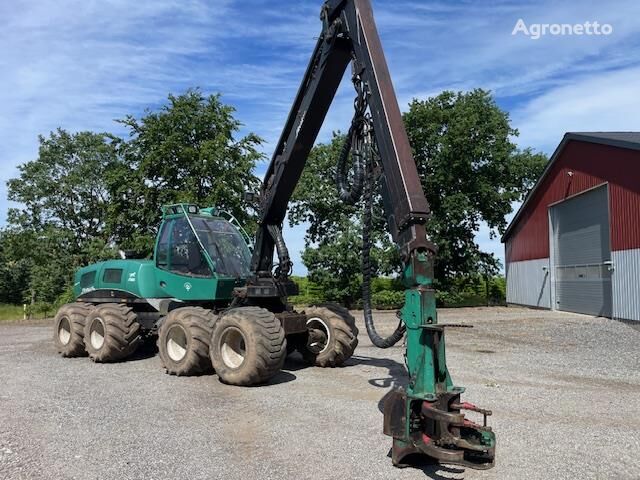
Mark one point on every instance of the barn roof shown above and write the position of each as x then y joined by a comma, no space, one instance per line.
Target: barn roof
629,140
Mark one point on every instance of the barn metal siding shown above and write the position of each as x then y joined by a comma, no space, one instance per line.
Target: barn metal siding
625,281
591,165
528,283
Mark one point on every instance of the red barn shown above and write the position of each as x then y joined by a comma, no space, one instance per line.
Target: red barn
574,244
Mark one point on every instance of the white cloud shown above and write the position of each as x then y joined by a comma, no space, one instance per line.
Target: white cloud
597,102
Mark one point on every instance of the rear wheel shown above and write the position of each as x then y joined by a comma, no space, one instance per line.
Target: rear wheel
183,341
68,331
332,335
248,346
111,333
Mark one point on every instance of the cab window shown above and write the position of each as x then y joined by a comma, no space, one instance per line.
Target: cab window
87,279
178,250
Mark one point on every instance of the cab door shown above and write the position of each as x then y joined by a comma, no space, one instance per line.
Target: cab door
182,270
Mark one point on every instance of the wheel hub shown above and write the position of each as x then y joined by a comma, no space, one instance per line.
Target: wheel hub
96,333
64,331
233,347
319,335
176,343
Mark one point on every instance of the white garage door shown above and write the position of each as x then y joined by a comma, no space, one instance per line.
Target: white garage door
580,238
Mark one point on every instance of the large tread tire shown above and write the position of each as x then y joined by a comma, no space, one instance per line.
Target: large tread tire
248,346
120,331
183,341
340,337
68,329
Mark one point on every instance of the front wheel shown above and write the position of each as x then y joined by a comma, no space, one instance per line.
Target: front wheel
183,341
112,333
332,336
248,346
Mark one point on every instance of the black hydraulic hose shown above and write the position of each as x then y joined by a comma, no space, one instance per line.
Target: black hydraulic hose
376,339
350,193
361,143
284,259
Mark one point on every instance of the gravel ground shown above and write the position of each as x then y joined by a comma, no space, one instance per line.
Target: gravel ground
564,389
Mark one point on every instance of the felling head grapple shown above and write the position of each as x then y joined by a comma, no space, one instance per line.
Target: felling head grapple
427,417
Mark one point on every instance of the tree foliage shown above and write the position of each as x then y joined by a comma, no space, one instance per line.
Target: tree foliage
185,152
334,236
88,194
471,172
64,187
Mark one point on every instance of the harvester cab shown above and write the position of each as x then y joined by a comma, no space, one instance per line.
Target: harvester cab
200,255
203,246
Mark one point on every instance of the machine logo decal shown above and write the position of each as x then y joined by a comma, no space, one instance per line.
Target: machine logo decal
187,286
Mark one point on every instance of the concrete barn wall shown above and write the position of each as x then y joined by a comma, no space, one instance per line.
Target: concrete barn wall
625,283
529,283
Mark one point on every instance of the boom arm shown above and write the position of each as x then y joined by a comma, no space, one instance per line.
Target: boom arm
426,416
349,33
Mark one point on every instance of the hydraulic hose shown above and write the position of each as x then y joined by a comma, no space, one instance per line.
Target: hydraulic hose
350,194
361,144
367,223
284,261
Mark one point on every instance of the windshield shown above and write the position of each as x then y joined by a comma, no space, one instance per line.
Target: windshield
225,246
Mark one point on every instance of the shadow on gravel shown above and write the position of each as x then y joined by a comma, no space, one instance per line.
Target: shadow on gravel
281,377
148,349
396,370
432,469
294,362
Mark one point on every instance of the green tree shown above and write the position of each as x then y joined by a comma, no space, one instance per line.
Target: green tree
333,239
88,193
61,222
65,188
15,268
186,151
471,172
35,266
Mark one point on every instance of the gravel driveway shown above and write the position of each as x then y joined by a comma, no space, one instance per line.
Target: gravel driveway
565,391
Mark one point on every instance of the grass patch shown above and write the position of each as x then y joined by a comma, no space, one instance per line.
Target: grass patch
10,312
37,311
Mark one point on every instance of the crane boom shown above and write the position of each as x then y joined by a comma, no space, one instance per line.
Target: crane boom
425,416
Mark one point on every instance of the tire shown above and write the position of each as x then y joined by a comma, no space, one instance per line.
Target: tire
248,346
183,341
332,335
68,330
111,333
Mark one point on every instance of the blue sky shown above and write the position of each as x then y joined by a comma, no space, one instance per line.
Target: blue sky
80,64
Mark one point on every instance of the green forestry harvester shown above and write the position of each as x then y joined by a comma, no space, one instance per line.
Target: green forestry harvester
217,301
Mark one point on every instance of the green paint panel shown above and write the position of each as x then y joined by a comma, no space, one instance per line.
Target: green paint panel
197,257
